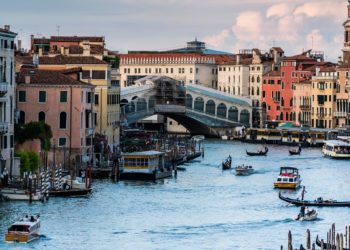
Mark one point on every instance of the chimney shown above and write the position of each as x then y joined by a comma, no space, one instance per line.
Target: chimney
66,51
238,59
86,48
62,50
27,79
7,27
317,71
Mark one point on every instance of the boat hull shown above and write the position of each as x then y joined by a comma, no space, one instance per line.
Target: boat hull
20,237
244,171
20,195
70,192
314,203
145,176
281,185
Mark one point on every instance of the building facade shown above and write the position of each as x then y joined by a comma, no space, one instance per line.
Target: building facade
271,95
7,98
64,103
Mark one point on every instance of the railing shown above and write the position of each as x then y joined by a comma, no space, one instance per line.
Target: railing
169,108
305,106
320,115
340,114
3,127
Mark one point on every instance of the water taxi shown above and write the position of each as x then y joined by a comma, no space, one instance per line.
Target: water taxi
244,170
146,165
288,178
336,149
24,230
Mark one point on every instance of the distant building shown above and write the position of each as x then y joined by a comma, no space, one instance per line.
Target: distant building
271,95
60,100
7,98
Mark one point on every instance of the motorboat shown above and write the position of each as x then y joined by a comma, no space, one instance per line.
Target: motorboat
21,194
244,170
295,151
288,178
336,149
24,230
258,153
307,215
226,164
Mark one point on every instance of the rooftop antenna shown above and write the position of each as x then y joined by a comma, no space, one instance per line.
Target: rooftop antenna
58,30
312,42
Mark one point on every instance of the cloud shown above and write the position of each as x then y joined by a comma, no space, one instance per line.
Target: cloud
217,40
248,26
278,10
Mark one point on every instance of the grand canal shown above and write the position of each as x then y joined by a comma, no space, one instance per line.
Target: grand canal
204,208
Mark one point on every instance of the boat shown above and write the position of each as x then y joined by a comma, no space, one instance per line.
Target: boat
295,151
145,165
307,215
288,178
244,170
336,149
21,194
24,230
319,202
226,164
73,192
259,153
327,245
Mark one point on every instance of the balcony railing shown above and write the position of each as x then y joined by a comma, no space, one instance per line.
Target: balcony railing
340,114
4,127
321,115
305,106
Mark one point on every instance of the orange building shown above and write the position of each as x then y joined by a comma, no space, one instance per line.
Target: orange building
64,103
271,95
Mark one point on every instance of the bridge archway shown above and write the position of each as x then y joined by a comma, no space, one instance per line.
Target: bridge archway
233,114
221,110
210,107
151,102
130,108
123,102
245,117
199,104
141,104
189,101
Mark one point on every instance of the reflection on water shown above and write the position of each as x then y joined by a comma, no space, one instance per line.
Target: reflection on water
204,208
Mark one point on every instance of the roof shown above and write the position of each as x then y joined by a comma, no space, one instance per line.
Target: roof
47,77
298,58
7,31
77,38
143,153
43,40
328,69
278,49
60,59
336,143
273,73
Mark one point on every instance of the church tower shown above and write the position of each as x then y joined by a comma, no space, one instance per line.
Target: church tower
346,47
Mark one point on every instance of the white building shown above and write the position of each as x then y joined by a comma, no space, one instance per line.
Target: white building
7,97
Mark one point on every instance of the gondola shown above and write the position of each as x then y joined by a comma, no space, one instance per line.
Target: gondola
227,163
326,245
260,153
295,152
316,203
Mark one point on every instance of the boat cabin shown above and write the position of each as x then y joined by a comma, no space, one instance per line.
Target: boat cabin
336,149
144,162
288,178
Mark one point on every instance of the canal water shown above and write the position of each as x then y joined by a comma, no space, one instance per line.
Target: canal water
204,208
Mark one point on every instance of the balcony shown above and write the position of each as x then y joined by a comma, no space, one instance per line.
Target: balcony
305,107
3,127
3,88
340,114
321,115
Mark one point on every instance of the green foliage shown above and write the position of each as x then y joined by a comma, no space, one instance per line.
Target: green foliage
29,161
34,130
114,61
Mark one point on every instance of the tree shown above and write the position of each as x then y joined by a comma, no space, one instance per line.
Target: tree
34,130
29,161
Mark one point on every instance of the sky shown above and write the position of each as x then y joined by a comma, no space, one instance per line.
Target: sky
227,25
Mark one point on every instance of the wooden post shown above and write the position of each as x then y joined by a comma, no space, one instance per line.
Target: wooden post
308,240
333,233
313,246
290,246
346,236
322,246
341,243
349,236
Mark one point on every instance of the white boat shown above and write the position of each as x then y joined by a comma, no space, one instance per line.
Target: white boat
21,194
336,149
244,170
76,183
24,230
224,137
288,178
308,216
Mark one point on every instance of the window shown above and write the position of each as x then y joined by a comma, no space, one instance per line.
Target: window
62,142
99,74
22,117
42,96
41,116
63,96
96,99
63,120
22,96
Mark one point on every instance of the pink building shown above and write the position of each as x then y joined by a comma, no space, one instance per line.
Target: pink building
62,101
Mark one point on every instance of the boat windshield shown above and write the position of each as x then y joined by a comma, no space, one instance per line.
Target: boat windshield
19,228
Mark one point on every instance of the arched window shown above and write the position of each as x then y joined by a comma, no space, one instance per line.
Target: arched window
252,91
258,79
282,102
63,120
253,79
233,114
41,116
257,91
287,116
199,104
189,101
210,107
130,108
291,102
281,117
123,102
22,117
221,110
245,117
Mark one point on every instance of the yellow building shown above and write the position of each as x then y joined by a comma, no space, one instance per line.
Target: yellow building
323,103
